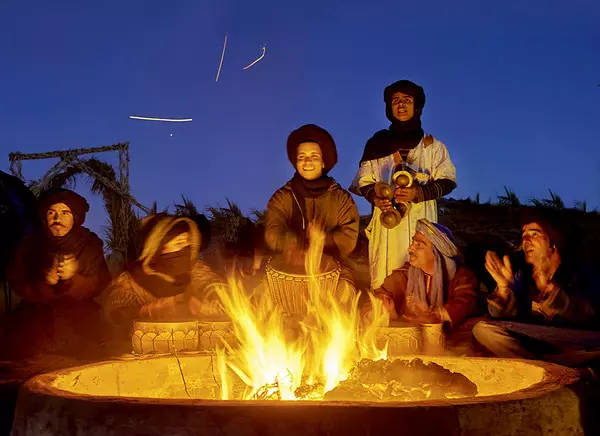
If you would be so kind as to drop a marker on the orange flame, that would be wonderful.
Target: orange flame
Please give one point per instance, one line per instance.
(331, 338)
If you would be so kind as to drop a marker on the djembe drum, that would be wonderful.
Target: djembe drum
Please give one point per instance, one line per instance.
(406, 338)
(290, 290)
(157, 337)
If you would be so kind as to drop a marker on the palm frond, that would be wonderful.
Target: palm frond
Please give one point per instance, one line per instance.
(259, 215)
(581, 205)
(188, 208)
(509, 199)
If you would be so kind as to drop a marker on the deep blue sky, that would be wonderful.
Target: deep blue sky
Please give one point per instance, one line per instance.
(511, 89)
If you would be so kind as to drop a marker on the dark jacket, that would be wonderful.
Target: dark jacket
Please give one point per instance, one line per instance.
(26, 273)
(575, 304)
(335, 211)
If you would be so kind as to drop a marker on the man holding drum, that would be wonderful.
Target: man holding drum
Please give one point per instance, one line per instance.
(311, 205)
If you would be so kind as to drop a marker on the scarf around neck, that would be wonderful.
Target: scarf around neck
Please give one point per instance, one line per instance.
(71, 243)
(404, 135)
(310, 188)
(416, 292)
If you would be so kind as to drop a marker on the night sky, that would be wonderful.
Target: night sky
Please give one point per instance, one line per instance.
(512, 89)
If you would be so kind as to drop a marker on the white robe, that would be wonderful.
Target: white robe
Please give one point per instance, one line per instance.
(388, 249)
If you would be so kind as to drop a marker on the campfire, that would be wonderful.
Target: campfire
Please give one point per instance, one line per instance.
(331, 373)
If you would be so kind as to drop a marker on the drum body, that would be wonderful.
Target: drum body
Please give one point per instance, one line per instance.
(213, 335)
(150, 337)
(405, 338)
(290, 291)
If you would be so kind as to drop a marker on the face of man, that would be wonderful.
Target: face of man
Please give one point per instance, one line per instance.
(178, 243)
(420, 253)
(309, 162)
(536, 244)
(403, 106)
(59, 219)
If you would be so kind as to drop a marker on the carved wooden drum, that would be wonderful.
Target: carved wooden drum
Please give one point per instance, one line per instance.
(152, 337)
(289, 290)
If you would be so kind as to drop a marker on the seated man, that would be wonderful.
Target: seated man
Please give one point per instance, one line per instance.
(167, 281)
(432, 287)
(311, 206)
(553, 290)
(57, 271)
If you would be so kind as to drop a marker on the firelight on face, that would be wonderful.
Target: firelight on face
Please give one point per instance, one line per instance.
(59, 219)
(403, 106)
(420, 252)
(536, 243)
(309, 161)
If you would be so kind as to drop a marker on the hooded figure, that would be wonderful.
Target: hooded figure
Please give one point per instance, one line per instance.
(167, 281)
(17, 216)
(310, 200)
(433, 286)
(403, 144)
(58, 271)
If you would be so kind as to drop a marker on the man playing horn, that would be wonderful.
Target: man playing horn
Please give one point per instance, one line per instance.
(403, 146)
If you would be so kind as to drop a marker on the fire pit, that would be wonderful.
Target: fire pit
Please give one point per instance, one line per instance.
(149, 397)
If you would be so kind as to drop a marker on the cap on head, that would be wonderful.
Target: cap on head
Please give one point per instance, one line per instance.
(405, 87)
(78, 205)
(313, 133)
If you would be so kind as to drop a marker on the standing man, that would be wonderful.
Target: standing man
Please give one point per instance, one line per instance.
(402, 146)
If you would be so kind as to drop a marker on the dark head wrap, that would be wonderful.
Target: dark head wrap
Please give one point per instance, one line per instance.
(401, 134)
(78, 205)
(313, 133)
(563, 234)
(405, 87)
(73, 241)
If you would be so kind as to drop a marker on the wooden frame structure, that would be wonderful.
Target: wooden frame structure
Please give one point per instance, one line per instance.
(72, 159)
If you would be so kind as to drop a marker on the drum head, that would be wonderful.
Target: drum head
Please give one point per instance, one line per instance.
(278, 263)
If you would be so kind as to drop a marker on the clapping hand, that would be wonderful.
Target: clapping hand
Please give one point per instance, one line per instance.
(501, 271)
(67, 267)
(52, 276)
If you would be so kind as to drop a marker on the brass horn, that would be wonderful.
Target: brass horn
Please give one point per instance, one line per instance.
(392, 217)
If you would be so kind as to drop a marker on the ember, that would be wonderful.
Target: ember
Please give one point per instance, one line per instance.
(401, 380)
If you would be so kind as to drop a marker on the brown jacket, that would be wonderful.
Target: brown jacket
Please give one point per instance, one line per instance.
(460, 297)
(26, 273)
(335, 211)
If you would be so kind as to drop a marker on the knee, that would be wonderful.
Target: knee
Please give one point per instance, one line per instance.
(483, 331)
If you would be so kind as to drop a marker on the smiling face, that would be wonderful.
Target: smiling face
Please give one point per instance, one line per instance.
(420, 253)
(403, 106)
(309, 161)
(536, 243)
(59, 219)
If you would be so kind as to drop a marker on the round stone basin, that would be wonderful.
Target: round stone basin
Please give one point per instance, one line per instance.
(147, 397)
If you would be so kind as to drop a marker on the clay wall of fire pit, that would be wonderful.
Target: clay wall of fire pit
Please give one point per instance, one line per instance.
(147, 397)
